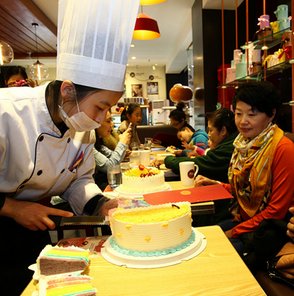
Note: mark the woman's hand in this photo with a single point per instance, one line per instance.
(128, 152)
(192, 154)
(31, 215)
(155, 141)
(202, 181)
(125, 137)
(290, 225)
(31, 82)
(228, 233)
(156, 162)
(178, 152)
(113, 203)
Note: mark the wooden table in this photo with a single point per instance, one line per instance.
(218, 270)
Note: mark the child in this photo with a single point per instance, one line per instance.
(197, 140)
(132, 113)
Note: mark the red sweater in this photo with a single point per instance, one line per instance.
(282, 195)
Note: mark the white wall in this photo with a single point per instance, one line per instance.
(142, 77)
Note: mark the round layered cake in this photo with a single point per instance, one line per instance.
(142, 180)
(152, 231)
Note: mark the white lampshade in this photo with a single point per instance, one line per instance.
(6, 53)
(39, 71)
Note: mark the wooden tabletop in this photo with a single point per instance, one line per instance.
(218, 270)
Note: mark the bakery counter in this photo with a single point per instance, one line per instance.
(218, 270)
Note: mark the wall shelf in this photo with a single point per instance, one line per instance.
(257, 76)
(269, 41)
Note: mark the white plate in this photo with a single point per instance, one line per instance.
(122, 193)
(114, 257)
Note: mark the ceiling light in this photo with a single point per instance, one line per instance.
(146, 28)
(6, 53)
(133, 58)
(150, 2)
(38, 70)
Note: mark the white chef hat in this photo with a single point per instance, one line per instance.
(94, 38)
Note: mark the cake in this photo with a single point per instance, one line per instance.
(152, 231)
(57, 260)
(142, 180)
(77, 284)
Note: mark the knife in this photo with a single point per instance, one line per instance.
(84, 220)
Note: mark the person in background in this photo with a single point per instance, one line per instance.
(191, 140)
(290, 225)
(262, 165)
(47, 133)
(214, 163)
(16, 76)
(177, 120)
(104, 157)
(132, 114)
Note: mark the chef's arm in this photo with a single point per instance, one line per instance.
(31, 215)
(100, 204)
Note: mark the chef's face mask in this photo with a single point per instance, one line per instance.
(80, 121)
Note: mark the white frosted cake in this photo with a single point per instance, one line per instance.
(142, 180)
(152, 231)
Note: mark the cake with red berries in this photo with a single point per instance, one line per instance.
(143, 180)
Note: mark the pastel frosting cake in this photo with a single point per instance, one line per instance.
(72, 285)
(57, 260)
(142, 180)
(152, 231)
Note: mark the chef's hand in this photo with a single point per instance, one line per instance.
(31, 215)
(202, 181)
(290, 225)
(113, 203)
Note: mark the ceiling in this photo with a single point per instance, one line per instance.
(173, 17)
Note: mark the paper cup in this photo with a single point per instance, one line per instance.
(145, 157)
(188, 171)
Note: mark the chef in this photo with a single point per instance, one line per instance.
(47, 133)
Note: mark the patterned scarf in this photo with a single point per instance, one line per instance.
(250, 171)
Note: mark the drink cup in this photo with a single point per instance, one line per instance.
(114, 176)
(188, 172)
(145, 157)
(134, 158)
(147, 144)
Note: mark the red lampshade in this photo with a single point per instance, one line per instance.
(145, 28)
(150, 2)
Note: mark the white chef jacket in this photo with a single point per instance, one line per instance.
(35, 159)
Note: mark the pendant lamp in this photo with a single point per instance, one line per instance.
(6, 53)
(150, 2)
(146, 28)
(38, 70)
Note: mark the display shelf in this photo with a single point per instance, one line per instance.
(269, 41)
(257, 76)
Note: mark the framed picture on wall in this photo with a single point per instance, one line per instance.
(137, 90)
(152, 88)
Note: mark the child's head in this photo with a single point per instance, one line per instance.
(185, 134)
(132, 113)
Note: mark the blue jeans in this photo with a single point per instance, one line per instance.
(236, 242)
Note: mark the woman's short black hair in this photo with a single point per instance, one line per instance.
(222, 117)
(261, 96)
(178, 114)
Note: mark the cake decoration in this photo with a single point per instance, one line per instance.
(142, 180)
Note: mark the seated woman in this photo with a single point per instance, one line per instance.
(177, 120)
(262, 166)
(131, 117)
(222, 133)
(104, 156)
